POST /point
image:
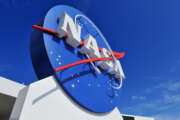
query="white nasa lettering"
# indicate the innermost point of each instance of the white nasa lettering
(91, 47)
(67, 26)
(120, 73)
(114, 68)
(117, 70)
(105, 65)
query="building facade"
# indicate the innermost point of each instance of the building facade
(46, 100)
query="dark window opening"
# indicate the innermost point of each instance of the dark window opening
(6, 106)
(128, 118)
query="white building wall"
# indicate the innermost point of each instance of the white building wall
(45, 100)
(9, 87)
(8, 92)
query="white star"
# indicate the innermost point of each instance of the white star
(73, 86)
(89, 84)
(51, 52)
(116, 94)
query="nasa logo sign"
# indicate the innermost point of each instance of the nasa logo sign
(67, 44)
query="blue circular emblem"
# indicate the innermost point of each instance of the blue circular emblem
(82, 83)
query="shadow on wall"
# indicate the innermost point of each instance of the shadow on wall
(6, 106)
(58, 87)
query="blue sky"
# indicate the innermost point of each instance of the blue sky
(146, 30)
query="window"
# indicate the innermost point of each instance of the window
(128, 118)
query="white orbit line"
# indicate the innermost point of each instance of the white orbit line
(105, 41)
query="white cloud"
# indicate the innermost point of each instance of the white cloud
(169, 86)
(164, 105)
(168, 98)
(148, 90)
(138, 97)
(145, 107)
(175, 67)
(174, 86)
(167, 116)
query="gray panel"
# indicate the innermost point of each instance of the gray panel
(6, 105)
